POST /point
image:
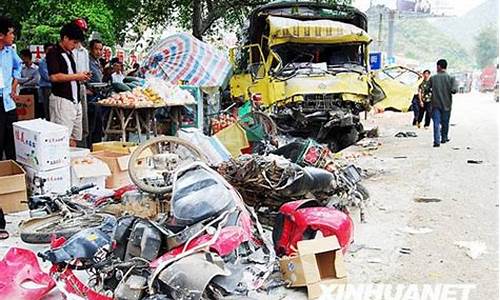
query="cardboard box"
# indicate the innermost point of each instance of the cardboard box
(56, 181)
(318, 262)
(12, 187)
(119, 147)
(118, 165)
(75, 152)
(41, 145)
(87, 170)
(25, 107)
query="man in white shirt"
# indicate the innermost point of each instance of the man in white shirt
(117, 76)
(81, 56)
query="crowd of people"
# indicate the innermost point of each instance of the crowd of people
(61, 82)
(434, 100)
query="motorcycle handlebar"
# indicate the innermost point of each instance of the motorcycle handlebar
(75, 190)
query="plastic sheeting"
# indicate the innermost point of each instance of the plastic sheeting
(182, 57)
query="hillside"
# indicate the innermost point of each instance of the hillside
(420, 40)
(466, 27)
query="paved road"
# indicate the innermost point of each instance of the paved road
(467, 209)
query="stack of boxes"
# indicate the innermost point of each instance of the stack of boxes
(42, 148)
(116, 155)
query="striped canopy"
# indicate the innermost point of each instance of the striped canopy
(182, 57)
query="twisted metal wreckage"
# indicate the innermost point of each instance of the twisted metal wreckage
(204, 240)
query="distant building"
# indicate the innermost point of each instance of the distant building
(414, 6)
(443, 8)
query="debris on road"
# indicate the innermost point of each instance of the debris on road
(372, 133)
(474, 249)
(368, 144)
(404, 250)
(132, 248)
(473, 161)
(316, 262)
(406, 134)
(426, 200)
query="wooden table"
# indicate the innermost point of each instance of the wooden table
(130, 119)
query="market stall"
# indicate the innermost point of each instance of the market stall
(130, 119)
(198, 67)
(132, 112)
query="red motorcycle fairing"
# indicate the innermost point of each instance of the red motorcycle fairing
(20, 266)
(299, 220)
(230, 238)
(117, 194)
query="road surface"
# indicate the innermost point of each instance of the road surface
(465, 207)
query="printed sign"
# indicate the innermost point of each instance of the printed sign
(375, 60)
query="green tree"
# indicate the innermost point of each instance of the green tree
(43, 23)
(199, 16)
(41, 20)
(486, 49)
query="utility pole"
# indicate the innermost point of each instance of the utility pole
(390, 39)
(380, 32)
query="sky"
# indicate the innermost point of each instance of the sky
(460, 7)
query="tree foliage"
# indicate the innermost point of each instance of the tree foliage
(41, 20)
(486, 49)
(199, 16)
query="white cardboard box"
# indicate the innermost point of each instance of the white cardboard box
(41, 145)
(87, 170)
(75, 152)
(57, 180)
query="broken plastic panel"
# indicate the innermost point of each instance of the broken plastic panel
(22, 278)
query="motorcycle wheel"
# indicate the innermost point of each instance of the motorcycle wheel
(40, 230)
(157, 146)
(363, 191)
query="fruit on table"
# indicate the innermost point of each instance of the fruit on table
(138, 97)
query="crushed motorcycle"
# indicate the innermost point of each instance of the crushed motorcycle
(208, 228)
(54, 214)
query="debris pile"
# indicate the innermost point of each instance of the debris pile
(187, 229)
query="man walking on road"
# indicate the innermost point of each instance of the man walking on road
(443, 86)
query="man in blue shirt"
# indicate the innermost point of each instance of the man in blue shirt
(44, 83)
(10, 71)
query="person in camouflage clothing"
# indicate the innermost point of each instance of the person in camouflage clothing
(425, 100)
